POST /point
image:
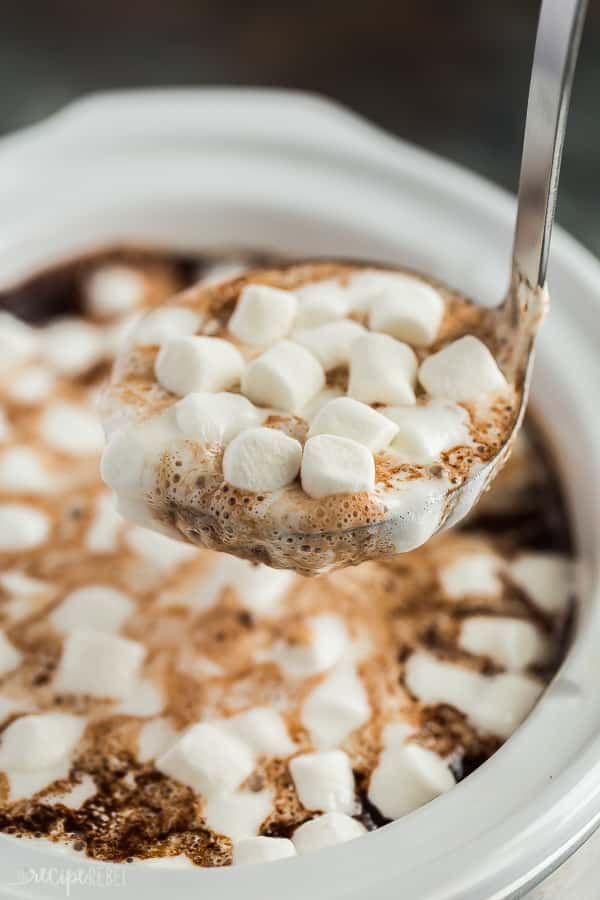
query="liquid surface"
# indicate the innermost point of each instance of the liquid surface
(388, 682)
(369, 455)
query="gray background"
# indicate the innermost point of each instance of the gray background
(451, 75)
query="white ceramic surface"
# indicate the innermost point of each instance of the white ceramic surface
(289, 172)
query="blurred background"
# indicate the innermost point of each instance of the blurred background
(450, 75)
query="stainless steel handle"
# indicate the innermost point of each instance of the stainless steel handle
(556, 47)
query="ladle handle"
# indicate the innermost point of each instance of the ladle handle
(556, 47)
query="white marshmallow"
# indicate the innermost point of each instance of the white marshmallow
(21, 469)
(261, 849)
(286, 376)
(472, 573)
(407, 776)
(72, 428)
(352, 419)
(133, 451)
(494, 703)
(103, 533)
(97, 607)
(326, 831)
(113, 290)
(97, 664)
(39, 741)
(153, 739)
(10, 657)
(207, 759)
(222, 271)
(336, 707)
(424, 432)
(324, 781)
(332, 342)
(144, 699)
(547, 578)
(238, 815)
(4, 426)
(329, 639)
(321, 302)
(509, 642)
(71, 346)
(261, 459)
(263, 315)
(21, 527)
(159, 550)
(32, 385)
(215, 418)
(16, 582)
(382, 370)
(405, 307)
(18, 342)
(336, 465)
(188, 364)
(262, 730)
(75, 796)
(259, 588)
(161, 325)
(463, 370)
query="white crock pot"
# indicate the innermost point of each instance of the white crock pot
(200, 169)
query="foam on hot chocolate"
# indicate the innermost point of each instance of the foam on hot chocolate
(293, 480)
(258, 714)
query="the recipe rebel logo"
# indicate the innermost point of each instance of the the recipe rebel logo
(69, 878)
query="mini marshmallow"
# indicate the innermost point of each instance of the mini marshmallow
(159, 550)
(463, 370)
(18, 342)
(509, 642)
(321, 302)
(258, 587)
(178, 861)
(332, 342)
(286, 376)
(21, 469)
(382, 370)
(31, 385)
(39, 741)
(424, 432)
(238, 815)
(10, 657)
(472, 574)
(103, 533)
(97, 607)
(133, 449)
(72, 428)
(352, 419)
(336, 707)
(4, 426)
(97, 664)
(215, 418)
(197, 363)
(547, 578)
(336, 465)
(113, 290)
(261, 459)
(74, 797)
(493, 703)
(261, 849)
(71, 346)
(207, 759)
(324, 781)
(21, 527)
(263, 730)
(326, 831)
(406, 778)
(222, 271)
(328, 640)
(263, 315)
(161, 325)
(406, 308)
(153, 739)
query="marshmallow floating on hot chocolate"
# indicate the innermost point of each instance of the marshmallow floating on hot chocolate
(463, 370)
(508, 642)
(263, 730)
(336, 465)
(382, 370)
(22, 527)
(324, 781)
(208, 759)
(261, 459)
(98, 664)
(326, 831)
(336, 706)
(261, 849)
(286, 376)
(407, 308)
(263, 315)
(97, 607)
(162, 325)
(332, 342)
(424, 432)
(113, 290)
(198, 363)
(352, 419)
(18, 342)
(38, 741)
(321, 302)
(215, 418)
